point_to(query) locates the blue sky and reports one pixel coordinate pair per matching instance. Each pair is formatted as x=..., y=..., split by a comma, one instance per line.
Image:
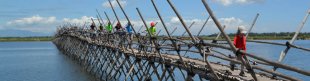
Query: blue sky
x=43, y=16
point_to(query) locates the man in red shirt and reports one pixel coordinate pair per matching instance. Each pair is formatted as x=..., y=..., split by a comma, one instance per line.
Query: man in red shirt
x=240, y=43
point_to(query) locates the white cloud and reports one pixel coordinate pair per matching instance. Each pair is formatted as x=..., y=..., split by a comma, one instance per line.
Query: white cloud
x=49, y=24
x=33, y=20
x=174, y=20
x=230, y=2
x=34, y=23
x=78, y=21
x=114, y=3
x=248, y=1
x=231, y=24
x=225, y=2
x=41, y=24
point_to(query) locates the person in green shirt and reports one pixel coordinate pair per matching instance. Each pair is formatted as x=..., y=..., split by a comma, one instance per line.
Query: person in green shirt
x=152, y=30
x=109, y=27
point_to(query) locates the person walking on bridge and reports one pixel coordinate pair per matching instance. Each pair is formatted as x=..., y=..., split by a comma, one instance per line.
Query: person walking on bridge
x=240, y=43
x=92, y=26
x=92, y=29
x=129, y=34
x=129, y=30
x=118, y=27
x=152, y=30
x=109, y=27
x=100, y=28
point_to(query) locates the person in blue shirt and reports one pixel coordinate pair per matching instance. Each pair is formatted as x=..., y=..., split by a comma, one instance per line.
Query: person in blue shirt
x=128, y=28
x=129, y=32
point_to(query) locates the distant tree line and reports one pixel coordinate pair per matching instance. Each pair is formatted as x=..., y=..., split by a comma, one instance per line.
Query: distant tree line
x=272, y=35
x=289, y=34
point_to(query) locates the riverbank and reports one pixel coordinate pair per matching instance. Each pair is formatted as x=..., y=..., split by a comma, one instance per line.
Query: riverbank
x=15, y=39
x=249, y=38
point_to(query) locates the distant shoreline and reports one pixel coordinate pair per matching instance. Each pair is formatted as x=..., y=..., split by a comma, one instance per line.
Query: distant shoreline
x=251, y=38
x=20, y=39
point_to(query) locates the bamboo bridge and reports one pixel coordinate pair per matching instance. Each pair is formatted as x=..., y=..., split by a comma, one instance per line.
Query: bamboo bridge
x=123, y=56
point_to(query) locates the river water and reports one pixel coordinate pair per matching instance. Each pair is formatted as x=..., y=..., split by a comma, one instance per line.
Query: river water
x=37, y=61
x=41, y=61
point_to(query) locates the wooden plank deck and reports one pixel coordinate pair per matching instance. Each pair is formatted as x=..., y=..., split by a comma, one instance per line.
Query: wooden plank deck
x=220, y=68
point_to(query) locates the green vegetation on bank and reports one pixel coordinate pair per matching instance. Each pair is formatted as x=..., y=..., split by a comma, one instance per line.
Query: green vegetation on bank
x=12, y=39
x=262, y=36
x=273, y=36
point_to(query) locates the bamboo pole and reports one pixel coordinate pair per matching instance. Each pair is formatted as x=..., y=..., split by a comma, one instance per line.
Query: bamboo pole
x=156, y=45
x=129, y=22
x=192, y=37
x=126, y=16
x=169, y=35
x=108, y=17
x=287, y=67
x=220, y=33
x=100, y=16
x=284, y=52
x=190, y=26
x=114, y=12
x=252, y=25
x=203, y=26
x=219, y=26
